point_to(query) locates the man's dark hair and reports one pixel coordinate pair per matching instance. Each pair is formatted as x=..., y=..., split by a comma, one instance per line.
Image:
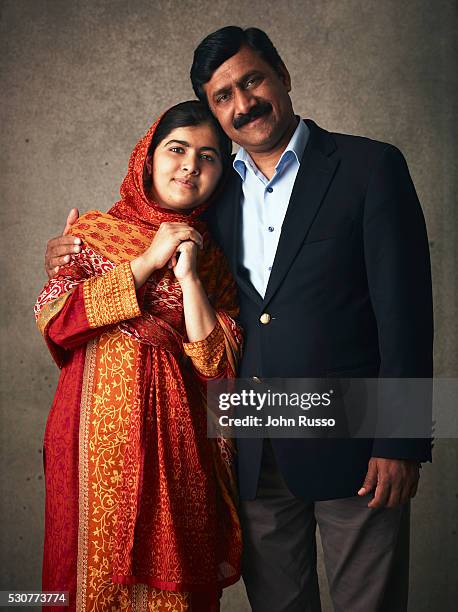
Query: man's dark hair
x=191, y=113
x=219, y=46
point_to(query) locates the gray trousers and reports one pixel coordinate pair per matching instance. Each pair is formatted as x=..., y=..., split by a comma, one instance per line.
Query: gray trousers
x=366, y=551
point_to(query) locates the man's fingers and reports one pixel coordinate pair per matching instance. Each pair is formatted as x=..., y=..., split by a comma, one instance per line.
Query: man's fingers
x=60, y=250
x=59, y=261
x=397, y=480
x=53, y=265
x=370, y=482
x=395, y=497
x=72, y=217
x=382, y=493
x=63, y=241
x=59, y=247
x=368, y=486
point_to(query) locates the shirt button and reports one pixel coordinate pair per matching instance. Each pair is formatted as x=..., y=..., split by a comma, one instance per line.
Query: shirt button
x=269, y=268
x=270, y=228
x=270, y=189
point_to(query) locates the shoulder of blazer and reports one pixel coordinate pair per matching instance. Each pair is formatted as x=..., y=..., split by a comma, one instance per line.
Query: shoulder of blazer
x=345, y=143
x=320, y=139
x=358, y=154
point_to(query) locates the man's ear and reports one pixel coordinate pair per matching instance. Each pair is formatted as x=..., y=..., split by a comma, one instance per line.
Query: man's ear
x=284, y=76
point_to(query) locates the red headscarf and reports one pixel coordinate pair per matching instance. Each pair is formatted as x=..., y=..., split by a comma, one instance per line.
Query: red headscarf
x=136, y=206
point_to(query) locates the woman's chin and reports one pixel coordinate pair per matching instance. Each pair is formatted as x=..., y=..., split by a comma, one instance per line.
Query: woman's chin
x=180, y=206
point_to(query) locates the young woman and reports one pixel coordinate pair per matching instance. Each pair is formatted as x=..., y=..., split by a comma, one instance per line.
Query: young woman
x=139, y=502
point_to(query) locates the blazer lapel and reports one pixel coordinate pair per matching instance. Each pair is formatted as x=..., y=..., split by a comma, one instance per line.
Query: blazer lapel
x=313, y=178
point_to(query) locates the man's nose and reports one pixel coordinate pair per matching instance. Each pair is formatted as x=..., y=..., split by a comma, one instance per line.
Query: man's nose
x=243, y=102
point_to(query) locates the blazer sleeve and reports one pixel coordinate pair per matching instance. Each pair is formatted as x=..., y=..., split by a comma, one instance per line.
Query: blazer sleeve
x=399, y=279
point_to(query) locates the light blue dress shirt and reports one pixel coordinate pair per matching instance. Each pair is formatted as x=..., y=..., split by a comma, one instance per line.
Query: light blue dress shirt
x=264, y=204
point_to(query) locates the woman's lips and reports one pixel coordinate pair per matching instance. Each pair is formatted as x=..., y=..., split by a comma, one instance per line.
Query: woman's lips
x=184, y=183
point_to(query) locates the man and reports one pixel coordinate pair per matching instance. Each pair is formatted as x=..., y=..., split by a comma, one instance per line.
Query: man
x=327, y=242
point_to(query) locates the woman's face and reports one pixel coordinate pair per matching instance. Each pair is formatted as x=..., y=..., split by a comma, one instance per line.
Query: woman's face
x=186, y=167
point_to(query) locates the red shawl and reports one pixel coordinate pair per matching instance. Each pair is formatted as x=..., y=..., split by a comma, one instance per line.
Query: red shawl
x=174, y=529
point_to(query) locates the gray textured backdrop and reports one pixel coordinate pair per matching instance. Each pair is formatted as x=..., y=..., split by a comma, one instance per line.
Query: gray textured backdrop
x=80, y=82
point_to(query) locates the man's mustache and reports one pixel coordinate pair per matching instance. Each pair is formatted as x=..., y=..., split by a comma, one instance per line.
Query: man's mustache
x=261, y=108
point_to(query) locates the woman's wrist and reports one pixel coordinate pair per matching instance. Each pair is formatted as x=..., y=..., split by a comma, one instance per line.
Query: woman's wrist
x=190, y=281
x=141, y=270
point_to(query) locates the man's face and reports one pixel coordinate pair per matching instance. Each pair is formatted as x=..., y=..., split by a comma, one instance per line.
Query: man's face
x=250, y=100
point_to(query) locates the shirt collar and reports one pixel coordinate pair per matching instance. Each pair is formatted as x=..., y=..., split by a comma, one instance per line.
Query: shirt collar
x=294, y=150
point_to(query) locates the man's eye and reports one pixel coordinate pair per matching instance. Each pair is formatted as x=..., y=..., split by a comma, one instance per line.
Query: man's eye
x=251, y=82
x=207, y=157
x=222, y=98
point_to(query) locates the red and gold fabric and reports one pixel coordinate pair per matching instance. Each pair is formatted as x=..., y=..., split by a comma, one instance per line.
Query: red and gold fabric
x=140, y=510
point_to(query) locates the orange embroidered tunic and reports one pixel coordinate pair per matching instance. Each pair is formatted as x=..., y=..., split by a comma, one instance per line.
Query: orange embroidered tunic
x=140, y=511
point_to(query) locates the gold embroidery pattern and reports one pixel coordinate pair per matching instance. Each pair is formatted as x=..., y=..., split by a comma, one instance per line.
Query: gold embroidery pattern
x=139, y=598
x=85, y=414
x=111, y=298
x=50, y=310
x=146, y=599
x=166, y=601
x=112, y=401
x=108, y=397
x=207, y=354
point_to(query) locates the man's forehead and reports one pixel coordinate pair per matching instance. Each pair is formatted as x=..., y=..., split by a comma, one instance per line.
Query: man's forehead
x=243, y=62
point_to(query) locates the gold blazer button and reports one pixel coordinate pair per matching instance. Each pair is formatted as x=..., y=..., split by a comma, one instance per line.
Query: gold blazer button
x=265, y=318
x=256, y=379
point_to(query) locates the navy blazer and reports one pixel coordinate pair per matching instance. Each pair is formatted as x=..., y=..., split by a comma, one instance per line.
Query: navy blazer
x=349, y=294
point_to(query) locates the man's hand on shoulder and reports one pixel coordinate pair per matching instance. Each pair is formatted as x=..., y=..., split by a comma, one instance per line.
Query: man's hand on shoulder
x=59, y=249
x=394, y=481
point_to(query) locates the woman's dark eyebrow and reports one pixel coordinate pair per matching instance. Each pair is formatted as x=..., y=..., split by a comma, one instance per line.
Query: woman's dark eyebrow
x=210, y=149
x=181, y=142
x=186, y=144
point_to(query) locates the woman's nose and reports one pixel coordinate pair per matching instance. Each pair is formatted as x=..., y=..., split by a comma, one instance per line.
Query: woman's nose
x=191, y=165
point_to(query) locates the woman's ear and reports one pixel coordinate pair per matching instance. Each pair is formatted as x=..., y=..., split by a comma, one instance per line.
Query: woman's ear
x=149, y=164
x=148, y=171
